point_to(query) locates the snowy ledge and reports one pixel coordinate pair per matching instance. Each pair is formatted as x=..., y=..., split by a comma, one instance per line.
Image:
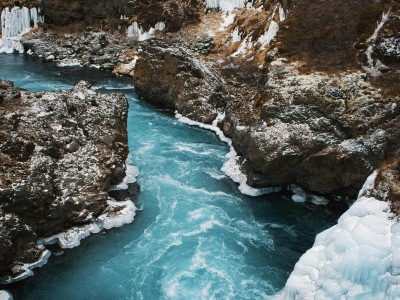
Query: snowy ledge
x=232, y=166
x=29, y=267
x=117, y=214
x=357, y=258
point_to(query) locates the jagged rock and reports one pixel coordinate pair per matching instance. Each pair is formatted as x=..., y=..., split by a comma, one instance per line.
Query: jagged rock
x=104, y=51
x=291, y=122
x=171, y=76
x=327, y=134
x=59, y=154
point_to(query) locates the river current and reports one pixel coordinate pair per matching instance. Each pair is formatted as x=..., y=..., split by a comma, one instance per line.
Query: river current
x=195, y=235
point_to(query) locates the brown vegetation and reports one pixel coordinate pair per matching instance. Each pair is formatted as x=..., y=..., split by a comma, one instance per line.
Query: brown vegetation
x=324, y=35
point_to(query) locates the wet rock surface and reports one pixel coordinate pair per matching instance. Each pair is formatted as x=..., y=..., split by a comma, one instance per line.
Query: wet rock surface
x=59, y=154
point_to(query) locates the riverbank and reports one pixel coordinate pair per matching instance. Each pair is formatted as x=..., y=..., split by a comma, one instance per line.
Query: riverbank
x=60, y=153
x=319, y=124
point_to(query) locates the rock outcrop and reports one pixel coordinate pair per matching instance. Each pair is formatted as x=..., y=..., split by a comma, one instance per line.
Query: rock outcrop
x=59, y=154
x=324, y=131
x=172, y=77
x=301, y=105
x=99, y=50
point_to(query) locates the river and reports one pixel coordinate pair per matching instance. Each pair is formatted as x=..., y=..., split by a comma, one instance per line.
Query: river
x=195, y=237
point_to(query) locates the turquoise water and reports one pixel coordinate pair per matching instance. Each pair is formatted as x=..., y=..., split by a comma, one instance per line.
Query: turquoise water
x=195, y=237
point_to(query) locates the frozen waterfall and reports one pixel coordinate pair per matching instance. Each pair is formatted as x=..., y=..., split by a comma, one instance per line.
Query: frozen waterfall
x=15, y=22
x=137, y=31
x=226, y=5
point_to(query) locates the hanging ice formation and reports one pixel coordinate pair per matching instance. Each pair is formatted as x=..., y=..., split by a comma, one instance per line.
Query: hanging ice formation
x=137, y=31
x=15, y=22
x=227, y=5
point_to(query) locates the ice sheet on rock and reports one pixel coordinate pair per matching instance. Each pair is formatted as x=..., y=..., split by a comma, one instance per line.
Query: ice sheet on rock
x=299, y=195
x=232, y=166
x=121, y=213
x=131, y=173
x=356, y=259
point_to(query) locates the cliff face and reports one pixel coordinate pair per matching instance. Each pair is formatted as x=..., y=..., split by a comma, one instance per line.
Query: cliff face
x=309, y=89
x=311, y=107
x=59, y=154
x=60, y=12
x=147, y=13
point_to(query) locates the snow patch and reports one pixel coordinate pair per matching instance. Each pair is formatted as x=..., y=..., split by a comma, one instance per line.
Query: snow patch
x=68, y=62
x=236, y=36
x=228, y=19
x=232, y=166
x=226, y=5
x=282, y=14
x=374, y=66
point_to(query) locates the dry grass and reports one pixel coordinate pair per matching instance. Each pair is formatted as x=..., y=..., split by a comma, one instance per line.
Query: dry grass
x=324, y=35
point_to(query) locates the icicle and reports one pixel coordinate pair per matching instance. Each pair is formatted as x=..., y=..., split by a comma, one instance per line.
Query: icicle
x=159, y=26
x=137, y=32
x=282, y=14
x=236, y=36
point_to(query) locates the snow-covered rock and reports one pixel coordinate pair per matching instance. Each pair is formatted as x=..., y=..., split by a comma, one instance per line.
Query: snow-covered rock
x=60, y=152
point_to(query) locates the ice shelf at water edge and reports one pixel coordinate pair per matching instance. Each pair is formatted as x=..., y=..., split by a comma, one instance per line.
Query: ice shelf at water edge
x=358, y=258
